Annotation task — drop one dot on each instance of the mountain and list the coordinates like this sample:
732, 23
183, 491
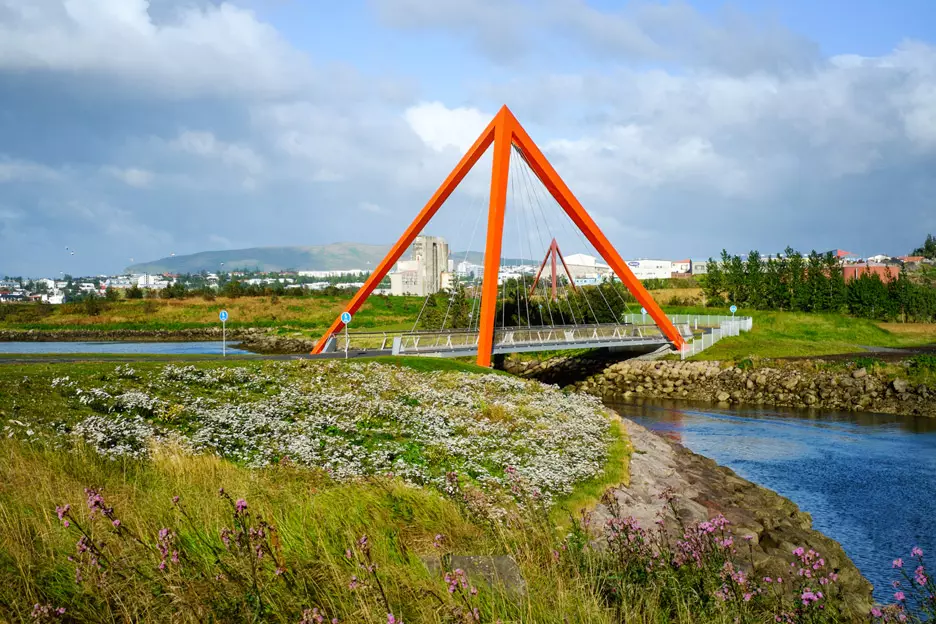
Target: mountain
314, 258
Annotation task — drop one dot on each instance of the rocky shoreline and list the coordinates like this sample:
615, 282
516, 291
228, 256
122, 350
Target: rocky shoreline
799, 384
704, 489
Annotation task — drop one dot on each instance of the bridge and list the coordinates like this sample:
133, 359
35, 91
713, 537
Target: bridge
631, 334
564, 316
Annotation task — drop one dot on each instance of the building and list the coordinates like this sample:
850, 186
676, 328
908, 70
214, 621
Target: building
682, 266
887, 272
699, 267
427, 270
879, 258
334, 273
586, 269
645, 269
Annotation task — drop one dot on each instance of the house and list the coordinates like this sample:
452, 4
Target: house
887, 272
682, 266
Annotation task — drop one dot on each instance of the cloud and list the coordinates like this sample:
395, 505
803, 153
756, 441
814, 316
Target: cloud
681, 133
131, 176
16, 170
210, 49
206, 145
675, 32
441, 128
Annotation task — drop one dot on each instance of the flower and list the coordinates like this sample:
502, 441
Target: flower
916, 552
899, 596
898, 563
241, 505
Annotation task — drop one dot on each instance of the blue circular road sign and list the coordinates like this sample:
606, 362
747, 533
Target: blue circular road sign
643, 310
345, 317
733, 309
223, 316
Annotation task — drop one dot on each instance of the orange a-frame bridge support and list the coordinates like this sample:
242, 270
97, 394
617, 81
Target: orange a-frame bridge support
505, 132
551, 253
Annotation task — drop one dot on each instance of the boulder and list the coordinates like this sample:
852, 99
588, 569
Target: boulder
900, 385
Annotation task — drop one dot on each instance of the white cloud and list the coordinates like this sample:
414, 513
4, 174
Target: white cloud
440, 127
131, 176
205, 144
211, 49
16, 170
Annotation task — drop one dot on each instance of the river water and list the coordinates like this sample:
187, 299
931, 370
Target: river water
868, 480
114, 347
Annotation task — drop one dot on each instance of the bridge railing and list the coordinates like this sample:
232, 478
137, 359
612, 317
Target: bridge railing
729, 326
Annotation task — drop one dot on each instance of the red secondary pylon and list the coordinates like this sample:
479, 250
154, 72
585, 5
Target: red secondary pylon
505, 132
552, 253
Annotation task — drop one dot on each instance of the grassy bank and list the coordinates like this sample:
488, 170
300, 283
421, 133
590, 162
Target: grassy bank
158, 493
307, 314
792, 334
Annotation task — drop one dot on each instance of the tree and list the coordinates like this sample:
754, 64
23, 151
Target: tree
928, 250
714, 283
112, 294
134, 292
754, 276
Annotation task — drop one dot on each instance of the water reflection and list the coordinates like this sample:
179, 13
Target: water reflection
869, 480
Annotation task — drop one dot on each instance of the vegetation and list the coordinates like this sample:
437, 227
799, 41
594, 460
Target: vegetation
802, 334
102, 529
310, 313
815, 283
927, 249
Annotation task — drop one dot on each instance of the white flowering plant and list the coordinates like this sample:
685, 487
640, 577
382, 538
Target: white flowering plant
352, 420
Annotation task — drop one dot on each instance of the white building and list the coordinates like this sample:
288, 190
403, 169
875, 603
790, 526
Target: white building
585, 267
427, 270
651, 269
879, 258
682, 266
334, 273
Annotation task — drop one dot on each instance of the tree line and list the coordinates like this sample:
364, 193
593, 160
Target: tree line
816, 283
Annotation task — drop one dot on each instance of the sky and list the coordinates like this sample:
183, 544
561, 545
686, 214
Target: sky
133, 129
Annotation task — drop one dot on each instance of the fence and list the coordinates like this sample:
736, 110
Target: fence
728, 326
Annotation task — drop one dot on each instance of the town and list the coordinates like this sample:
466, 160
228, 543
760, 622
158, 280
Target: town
431, 268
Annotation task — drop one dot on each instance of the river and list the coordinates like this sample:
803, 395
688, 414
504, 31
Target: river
115, 347
868, 480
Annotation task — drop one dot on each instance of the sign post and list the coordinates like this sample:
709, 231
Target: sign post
733, 309
224, 317
643, 311
346, 319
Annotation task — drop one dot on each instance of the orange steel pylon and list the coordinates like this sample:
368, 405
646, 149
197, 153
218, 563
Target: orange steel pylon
505, 132
551, 254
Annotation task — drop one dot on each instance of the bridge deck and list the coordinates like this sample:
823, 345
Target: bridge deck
700, 331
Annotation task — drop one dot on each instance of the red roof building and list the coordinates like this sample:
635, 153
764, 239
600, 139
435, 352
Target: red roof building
887, 272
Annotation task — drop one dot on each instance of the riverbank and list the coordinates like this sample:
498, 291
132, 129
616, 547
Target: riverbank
265, 431
906, 387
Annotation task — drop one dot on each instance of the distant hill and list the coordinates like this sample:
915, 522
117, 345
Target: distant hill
313, 258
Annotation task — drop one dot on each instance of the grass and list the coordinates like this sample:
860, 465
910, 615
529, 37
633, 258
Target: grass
800, 334
310, 524
306, 315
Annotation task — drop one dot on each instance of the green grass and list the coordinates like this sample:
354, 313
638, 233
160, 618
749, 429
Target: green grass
790, 334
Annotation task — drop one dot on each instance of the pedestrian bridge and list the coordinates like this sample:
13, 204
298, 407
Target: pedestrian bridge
634, 331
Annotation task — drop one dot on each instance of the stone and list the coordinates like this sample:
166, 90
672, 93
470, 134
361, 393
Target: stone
861, 372
790, 383
810, 399
900, 385
492, 570
723, 397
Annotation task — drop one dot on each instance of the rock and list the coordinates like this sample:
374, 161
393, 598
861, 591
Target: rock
492, 570
790, 383
723, 397
810, 399
900, 385
861, 372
